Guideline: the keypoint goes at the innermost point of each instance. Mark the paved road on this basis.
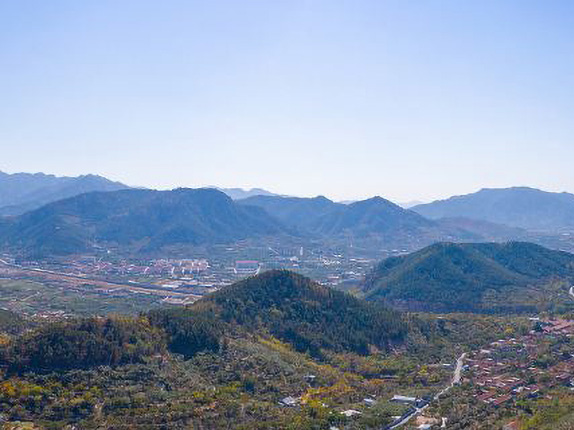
(572, 291)
(456, 377)
(458, 370)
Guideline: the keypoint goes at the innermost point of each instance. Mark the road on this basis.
(458, 370)
(456, 377)
(571, 292)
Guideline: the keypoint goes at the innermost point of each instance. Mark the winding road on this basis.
(455, 381)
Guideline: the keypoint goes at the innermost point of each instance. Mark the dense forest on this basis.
(306, 314)
(84, 343)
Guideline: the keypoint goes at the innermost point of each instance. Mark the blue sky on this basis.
(404, 99)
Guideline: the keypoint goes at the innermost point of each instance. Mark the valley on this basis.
(286, 215)
(187, 309)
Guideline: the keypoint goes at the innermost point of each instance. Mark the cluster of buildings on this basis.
(523, 367)
(93, 266)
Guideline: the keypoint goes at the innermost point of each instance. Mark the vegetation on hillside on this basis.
(83, 344)
(489, 277)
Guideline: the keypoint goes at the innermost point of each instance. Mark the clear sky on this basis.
(403, 99)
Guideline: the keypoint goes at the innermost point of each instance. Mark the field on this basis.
(33, 298)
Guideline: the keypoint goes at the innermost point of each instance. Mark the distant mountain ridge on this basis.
(138, 220)
(323, 216)
(241, 193)
(521, 207)
(298, 212)
(463, 277)
(22, 192)
(84, 217)
(374, 215)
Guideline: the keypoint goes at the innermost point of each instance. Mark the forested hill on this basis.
(310, 317)
(296, 310)
(486, 277)
(137, 220)
(22, 192)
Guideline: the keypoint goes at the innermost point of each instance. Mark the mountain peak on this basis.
(305, 313)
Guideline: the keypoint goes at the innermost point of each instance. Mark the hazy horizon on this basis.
(405, 203)
(406, 100)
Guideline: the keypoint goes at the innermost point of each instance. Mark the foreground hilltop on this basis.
(277, 304)
(300, 312)
(482, 277)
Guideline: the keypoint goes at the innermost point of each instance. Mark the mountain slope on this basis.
(375, 218)
(22, 192)
(296, 310)
(521, 207)
(139, 220)
(298, 212)
(471, 277)
(372, 216)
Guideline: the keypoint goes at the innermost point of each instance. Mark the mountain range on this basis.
(137, 220)
(521, 207)
(477, 277)
(22, 192)
(320, 216)
(60, 215)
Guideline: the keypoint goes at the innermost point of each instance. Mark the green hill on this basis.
(487, 277)
(282, 304)
(374, 216)
(290, 307)
(228, 360)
